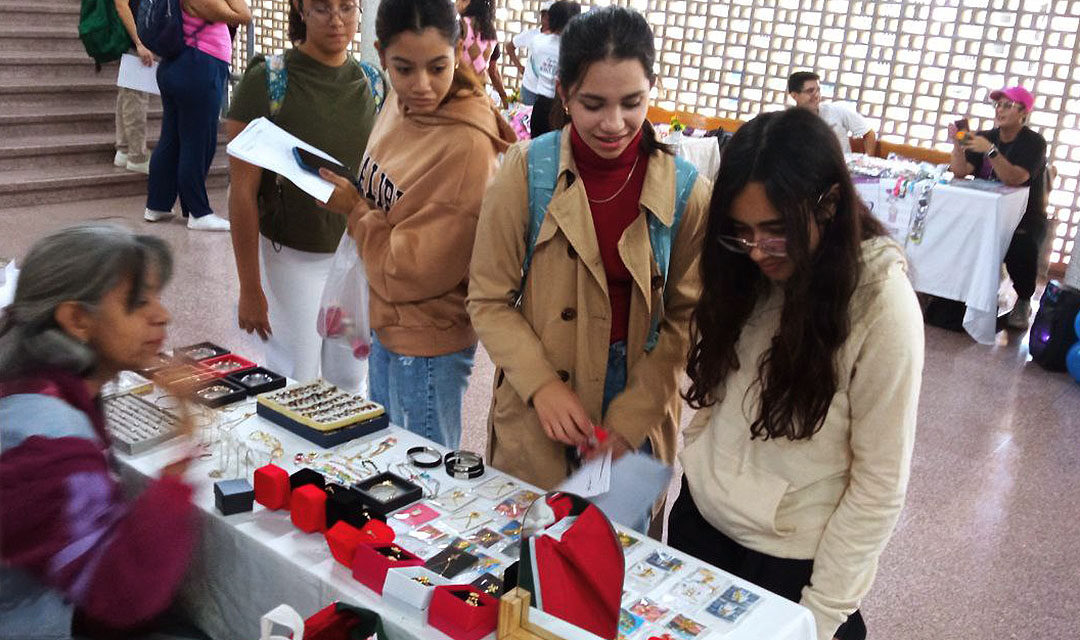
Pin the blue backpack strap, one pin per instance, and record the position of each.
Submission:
(543, 163)
(277, 81)
(662, 236)
(376, 83)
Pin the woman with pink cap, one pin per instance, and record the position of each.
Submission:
(1013, 154)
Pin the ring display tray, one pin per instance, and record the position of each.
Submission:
(137, 425)
(321, 413)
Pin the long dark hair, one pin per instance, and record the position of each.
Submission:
(483, 18)
(614, 33)
(297, 26)
(398, 16)
(797, 158)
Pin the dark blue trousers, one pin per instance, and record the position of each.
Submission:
(192, 87)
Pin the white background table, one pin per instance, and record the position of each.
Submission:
(966, 235)
(246, 564)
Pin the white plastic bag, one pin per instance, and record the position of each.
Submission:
(343, 308)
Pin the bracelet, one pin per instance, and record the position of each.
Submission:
(992, 152)
(424, 457)
(464, 465)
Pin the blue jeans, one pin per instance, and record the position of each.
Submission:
(614, 384)
(192, 87)
(422, 395)
(527, 97)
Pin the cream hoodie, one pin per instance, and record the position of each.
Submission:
(422, 179)
(835, 497)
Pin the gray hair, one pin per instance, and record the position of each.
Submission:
(78, 264)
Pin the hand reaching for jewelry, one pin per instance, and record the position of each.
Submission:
(561, 414)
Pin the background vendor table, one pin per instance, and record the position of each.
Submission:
(965, 238)
(247, 564)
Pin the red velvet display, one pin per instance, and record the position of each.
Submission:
(371, 562)
(377, 532)
(450, 613)
(272, 487)
(343, 539)
(308, 506)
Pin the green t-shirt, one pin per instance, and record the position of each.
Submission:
(330, 108)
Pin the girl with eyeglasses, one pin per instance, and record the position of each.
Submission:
(805, 365)
(283, 239)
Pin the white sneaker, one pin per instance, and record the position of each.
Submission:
(1018, 317)
(212, 222)
(120, 159)
(157, 216)
(139, 167)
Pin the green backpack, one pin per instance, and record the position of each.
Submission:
(101, 32)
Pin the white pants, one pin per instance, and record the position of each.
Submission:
(293, 283)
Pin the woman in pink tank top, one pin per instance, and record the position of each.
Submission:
(480, 42)
(192, 86)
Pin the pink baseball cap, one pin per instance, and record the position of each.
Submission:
(1017, 94)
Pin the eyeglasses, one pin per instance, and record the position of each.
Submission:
(770, 246)
(326, 14)
(1004, 104)
(811, 91)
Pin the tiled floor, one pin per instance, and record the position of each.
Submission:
(989, 543)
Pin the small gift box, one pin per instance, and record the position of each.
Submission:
(200, 351)
(233, 496)
(344, 539)
(219, 393)
(308, 508)
(386, 493)
(463, 612)
(307, 476)
(413, 586)
(372, 561)
(272, 487)
(257, 380)
(345, 504)
(227, 364)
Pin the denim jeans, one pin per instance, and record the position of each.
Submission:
(527, 97)
(192, 87)
(614, 384)
(422, 395)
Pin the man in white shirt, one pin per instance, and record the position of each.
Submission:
(524, 40)
(804, 87)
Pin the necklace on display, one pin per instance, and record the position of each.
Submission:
(625, 182)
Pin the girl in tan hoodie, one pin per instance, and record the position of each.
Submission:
(413, 215)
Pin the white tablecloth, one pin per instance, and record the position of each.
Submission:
(967, 232)
(251, 562)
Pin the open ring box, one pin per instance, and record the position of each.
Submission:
(200, 351)
(413, 586)
(386, 492)
(372, 561)
(450, 611)
(227, 364)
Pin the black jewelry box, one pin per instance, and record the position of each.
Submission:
(343, 503)
(387, 492)
(306, 476)
(277, 381)
(200, 351)
(236, 394)
(233, 496)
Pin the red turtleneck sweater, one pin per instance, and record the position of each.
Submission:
(602, 178)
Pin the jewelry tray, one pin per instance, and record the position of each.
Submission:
(370, 418)
(136, 425)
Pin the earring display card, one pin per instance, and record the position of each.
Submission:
(219, 393)
(137, 425)
(387, 493)
(416, 515)
(489, 584)
(453, 499)
(496, 488)
(200, 351)
(450, 562)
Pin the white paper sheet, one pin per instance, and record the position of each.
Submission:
(592, 479)
(136, 75)
(636, 481)
(266, 145)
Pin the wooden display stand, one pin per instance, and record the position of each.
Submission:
(514, 621)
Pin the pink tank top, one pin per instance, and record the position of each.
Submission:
(477, 50)
(212, 39)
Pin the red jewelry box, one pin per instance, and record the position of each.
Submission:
(308, 506)
(272, 487)
(450, 612)
(372, 561)
(226, 364)
(343, 538)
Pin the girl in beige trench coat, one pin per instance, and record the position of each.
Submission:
(593, 285)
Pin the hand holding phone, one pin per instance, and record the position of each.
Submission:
(311, 163)
(961, 130)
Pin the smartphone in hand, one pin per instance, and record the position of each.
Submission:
(963, 129)
(311, 163)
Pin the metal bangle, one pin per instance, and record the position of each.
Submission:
(464, 465)
(424, 457)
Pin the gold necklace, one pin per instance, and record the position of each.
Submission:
(625, 182)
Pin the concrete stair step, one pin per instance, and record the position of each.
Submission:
(43, 38)
(42, 186)
(32, 14)
(90, 91)
(27, 122)
(69, 150)
(18, 66)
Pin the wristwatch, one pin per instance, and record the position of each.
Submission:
(992, 153)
